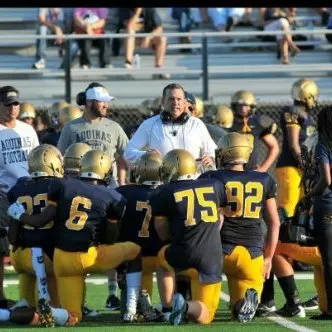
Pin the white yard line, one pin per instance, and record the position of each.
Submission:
(103, 280)
(277, 319)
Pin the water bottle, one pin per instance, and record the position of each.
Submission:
(137, 61)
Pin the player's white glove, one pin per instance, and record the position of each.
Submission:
(16, 210)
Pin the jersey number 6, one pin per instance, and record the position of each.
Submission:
(78, 218)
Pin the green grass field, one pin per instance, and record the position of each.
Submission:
(107, 321)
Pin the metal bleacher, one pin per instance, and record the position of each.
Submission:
(245, 55)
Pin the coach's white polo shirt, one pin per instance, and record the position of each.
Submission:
(192, 136)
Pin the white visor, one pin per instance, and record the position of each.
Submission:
(98, 93)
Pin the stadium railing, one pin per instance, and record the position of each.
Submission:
(68, 73)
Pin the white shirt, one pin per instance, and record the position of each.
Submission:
(192, 136)
(15, 146)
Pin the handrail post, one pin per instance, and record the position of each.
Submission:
(67, 66)
(205, 68)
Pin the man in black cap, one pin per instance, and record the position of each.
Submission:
(17, 139)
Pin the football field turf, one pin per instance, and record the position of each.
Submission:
(108, 321)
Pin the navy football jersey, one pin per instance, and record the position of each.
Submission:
(82, 211)
(246, 194)
(192, 208)
(32, 193)
(136, 225)
(257, 127)
(294, 116)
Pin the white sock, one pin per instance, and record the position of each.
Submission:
(133, 287)
(4, 315)
(61, 316)
(41, 278)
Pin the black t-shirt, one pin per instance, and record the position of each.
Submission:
(82, 211)
(136, 225)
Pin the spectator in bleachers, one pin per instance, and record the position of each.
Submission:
(91, 21)
(284, 42)
(184, 18)
(224, 19)
(144, 20)
(51, 20)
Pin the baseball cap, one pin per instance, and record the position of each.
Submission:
(9, 95)
(98, 93)
(190, 97)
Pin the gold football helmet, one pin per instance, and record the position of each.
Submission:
(73, 156)
(147, 170)
(305, 91)
(243, 97)
(224, 116)
(199, 111)
(27, 110)
(233, 148)
(178, 164)
(96, 165)
(45, 160)
(57, 107)
(69, 113)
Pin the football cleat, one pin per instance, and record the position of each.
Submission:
(128, 317)
(45, 313)
(113, 303)
(322, 316)
(87, 312)
(179, 309)
(291, 311)
(264, 310)
(246, 308)
(145, 308)
(311, 304)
